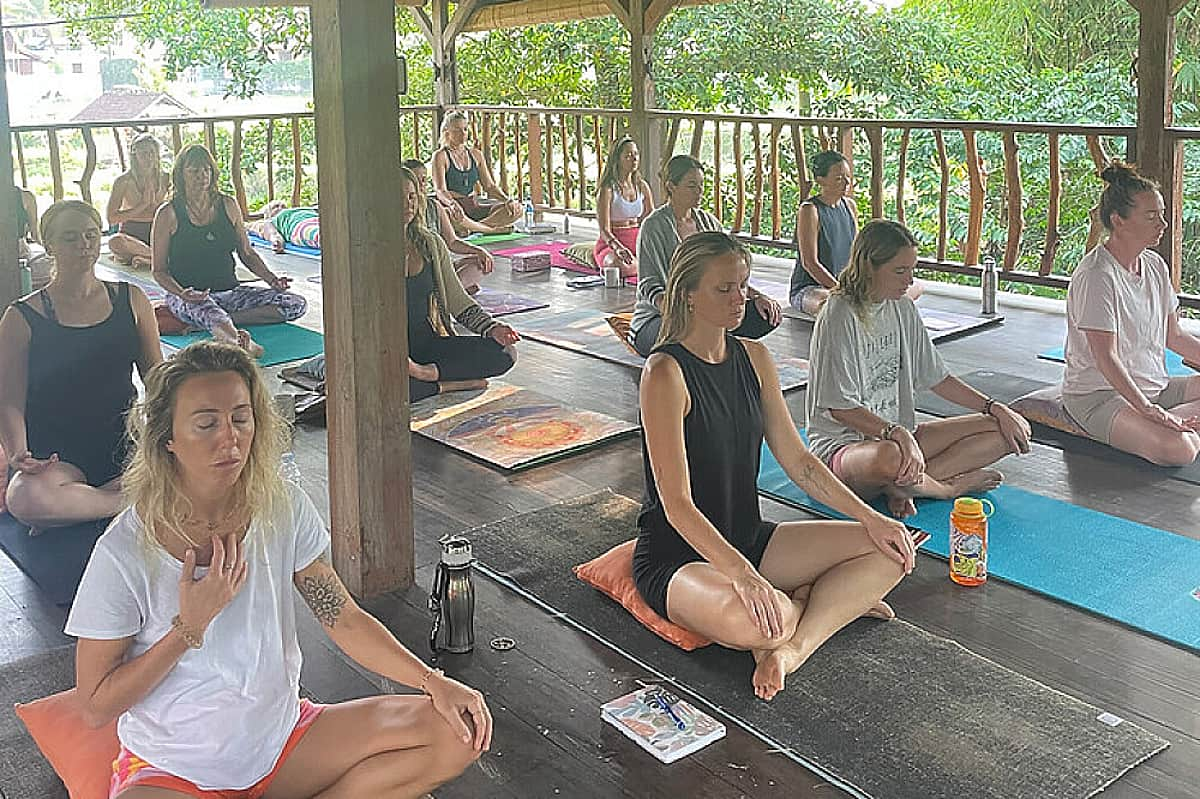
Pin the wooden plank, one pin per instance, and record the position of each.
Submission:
(486, 142)
(176, 138)
(55, 164)
(297, 162)
(582, 175)
(803, 181)
(756, 137)
(1052, 208)
(363, 288)
(1100, 159)
(1016, 215)
(548, 154)
(902, 174)
(235, 168)
(270, 159)
(534, 129)
(568, 178)
(120, 148)
(517, 155)
(739, 213)
(943, 194)
(697, 136)
(776, 199)
(975, 180)
(21, 160)
(875, 140)
(89, 164)
(10, 278)
(502, 144)
(716, 190)
(210, 138)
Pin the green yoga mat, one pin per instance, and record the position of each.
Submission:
(1129, 572)
(281, 343)
(495, 238)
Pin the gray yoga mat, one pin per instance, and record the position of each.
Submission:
(24, 773)
(886, 709)
(1008, 388)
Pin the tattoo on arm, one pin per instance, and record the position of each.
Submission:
(324, 594)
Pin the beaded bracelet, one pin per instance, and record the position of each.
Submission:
(987, 406)
(190, 638)
(425, 680)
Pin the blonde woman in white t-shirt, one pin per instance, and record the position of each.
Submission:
(1122, 315)
(186, 621)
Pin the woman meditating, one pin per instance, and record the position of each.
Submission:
(623, 202)
(869, 357)
(187, 625)
(478, 261)
(704, 558)
(1122, 315)
(457, 169)
(438, 360)
(136, 196)
(67, 354)
(660, 235)
(194, 238)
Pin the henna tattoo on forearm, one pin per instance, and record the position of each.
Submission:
(325, 595)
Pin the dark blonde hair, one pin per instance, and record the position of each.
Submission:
(194, 155)
(877, 243)
(417, 233)
(677, 168)
(1123, 184)
(612, 166)
(151, 480)
(453, 116)
(688, 266)
(56, 210)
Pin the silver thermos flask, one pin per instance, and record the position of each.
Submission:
(452, 599)
(988, 284)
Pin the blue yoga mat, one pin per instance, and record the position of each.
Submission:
(1175, 367)
(282, 342)
(1129, 572)
(259, 241)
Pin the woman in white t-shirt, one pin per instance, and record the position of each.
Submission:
(1122, 315)
(870, 355)
(186, 621)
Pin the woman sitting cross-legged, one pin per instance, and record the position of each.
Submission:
(458, 168)
(479, 261)
(704, 558)
(193, 240)
(66, 355)
(622, 203)
(870, 354)
(660, 235)
(136, 196)
(439, 360)
(187, 626)
(1122, 314)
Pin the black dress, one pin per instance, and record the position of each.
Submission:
(80, 385)
(722, 435)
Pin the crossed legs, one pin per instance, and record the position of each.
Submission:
(59, 496)
(1136, 434)
(827, 574)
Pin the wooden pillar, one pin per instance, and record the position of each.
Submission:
(10, 280)
(1159, 154)
(366, 342)
(646, 131)
(445, 59)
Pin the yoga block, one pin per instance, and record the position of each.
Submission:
(531, 261)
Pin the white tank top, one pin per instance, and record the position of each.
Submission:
(621, 209)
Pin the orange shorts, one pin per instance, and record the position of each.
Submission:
(129, 770)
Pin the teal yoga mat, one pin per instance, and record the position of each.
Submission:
(282, 342)
(1175, 366)
(1129, 572)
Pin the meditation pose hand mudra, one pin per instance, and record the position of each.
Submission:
(187, 625)
(459, 170)
(1122, 315)
(870, 355)
(704, 558)
(67, 353)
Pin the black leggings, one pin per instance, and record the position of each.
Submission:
(753, 326)
(457, 358)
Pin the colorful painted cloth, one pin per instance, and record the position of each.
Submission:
(300, 226)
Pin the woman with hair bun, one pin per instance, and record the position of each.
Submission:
(1122, 316)
(869, 357)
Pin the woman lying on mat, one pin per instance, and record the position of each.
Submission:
(705, 559)
(825, 228)
(1122, 314)
(439, 360)
(870, 354)
(187, 628)
(67, 354)
(622, 204)
(194, 238)
(479, 261)
(281, 226)
(660, 235)
(457, 168)
(136, 195)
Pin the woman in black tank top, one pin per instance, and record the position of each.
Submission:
(456, 169)
(66, 353)
(704, 557)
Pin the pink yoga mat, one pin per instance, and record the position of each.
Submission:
(555, 249)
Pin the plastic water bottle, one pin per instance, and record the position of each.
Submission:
(968, 540)
(290, 470)
(529, 214)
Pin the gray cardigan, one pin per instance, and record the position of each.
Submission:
(656, 243)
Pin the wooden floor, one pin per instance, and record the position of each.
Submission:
(545, 693)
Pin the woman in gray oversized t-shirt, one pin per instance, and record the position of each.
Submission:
(869, 356)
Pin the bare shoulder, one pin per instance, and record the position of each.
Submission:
(661, 373)
(761, 360)
(232, 209)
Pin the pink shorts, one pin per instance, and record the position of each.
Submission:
(835, 462)
(129, 770)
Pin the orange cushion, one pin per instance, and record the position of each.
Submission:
(612, 573)
(168, 323)
(82, 757)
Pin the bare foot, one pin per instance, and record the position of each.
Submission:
(901, 506)
(975, 481)
(252, 347)
(277, 246)
(773, 668)
(881, 610)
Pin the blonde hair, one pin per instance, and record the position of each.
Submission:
(878, 242)
(417, 233)
(56, 210)
(151, 480)
(688, 266)
(451, 116)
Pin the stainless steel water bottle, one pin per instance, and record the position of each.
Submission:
(988, 284)
(452, 599)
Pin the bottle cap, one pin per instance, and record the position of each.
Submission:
(456, 551)
(968, 506)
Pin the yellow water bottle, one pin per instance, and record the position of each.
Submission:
(968, 540)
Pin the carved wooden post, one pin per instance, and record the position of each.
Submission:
(10, 279)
